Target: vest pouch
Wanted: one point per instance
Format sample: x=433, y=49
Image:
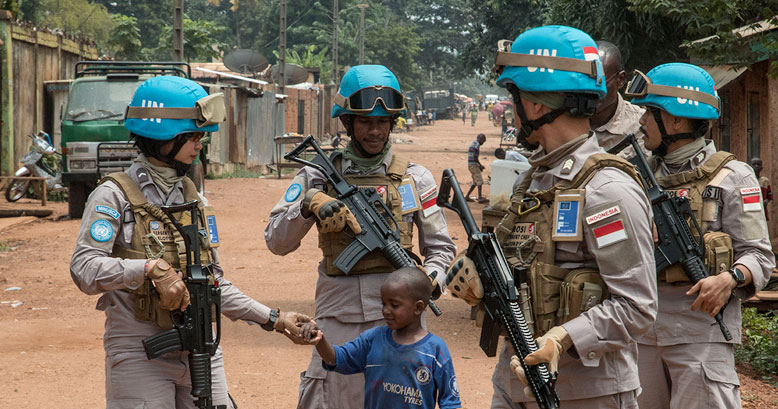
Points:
x=582, y=289
x=147, y=306
x=545, y=283
x=719, y=254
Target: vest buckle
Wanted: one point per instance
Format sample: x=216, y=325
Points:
x=527, y=205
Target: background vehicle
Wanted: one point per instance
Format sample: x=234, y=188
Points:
x=35, y=164
x=94, y=140
x=440, y=101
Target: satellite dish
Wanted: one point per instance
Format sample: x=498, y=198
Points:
x=245, y=61
x=295, y=74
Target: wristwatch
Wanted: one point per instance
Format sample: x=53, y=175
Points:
x=271, y=322
x=737, y=275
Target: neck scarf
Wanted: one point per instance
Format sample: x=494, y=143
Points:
x=681, y=156
x=163, y=176
x=541, y=159
x=365, y=165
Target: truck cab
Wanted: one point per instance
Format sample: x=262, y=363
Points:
x=94, y=140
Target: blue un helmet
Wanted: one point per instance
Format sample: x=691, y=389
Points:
x=166, y=106
x=363, y=87
x=682, y=90
x=551, y=59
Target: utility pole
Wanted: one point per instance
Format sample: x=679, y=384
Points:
x=178, y=30
x=335, y=13
x=282, y=50
x=362, y=6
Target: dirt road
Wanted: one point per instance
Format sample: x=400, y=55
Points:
x=51, y=353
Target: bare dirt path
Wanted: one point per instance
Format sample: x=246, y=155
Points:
x=51, y=353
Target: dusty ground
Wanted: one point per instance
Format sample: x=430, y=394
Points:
x=51, y=353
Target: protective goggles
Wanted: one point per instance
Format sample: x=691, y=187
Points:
x=364, y=100
x=506, y=58
x=640, y=86
x=207, y=111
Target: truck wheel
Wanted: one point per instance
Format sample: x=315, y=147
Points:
x=77, y=194
x=16, y=189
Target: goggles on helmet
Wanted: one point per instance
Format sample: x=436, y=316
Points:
x=506, y=58
x=640, y=86
x=208, y=110
x=363, y=101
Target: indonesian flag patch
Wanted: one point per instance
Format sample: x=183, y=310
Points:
x=429, y=203
x=750, y=197
x=610, y=233
x=590, y=53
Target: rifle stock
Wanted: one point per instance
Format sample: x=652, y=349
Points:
x=676, y=240
x=500, y=295
x=376, y=234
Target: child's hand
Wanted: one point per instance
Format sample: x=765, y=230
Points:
x=310, y=333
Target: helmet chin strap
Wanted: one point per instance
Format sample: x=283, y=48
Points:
x=527, y=126
x=667, y=140
x=180, y=167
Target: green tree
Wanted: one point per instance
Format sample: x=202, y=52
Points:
x=125, y=38
x=152, y=16
x=78, y=17
x=309, y=58
x=199, y=43
x=29, y=10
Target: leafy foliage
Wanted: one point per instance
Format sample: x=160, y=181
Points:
x=760, y=343
x=199, y=43
x=125, y=37
x=78, y=17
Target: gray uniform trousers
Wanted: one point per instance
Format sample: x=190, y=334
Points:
x=134, y=382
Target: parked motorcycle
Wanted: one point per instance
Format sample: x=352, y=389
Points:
x=35, y=165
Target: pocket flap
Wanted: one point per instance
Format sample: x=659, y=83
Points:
x=720, y=372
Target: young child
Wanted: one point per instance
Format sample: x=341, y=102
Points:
x=405, y=366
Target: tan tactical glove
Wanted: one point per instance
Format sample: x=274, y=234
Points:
x=463, y=282
x=173, y=294
x=290, y=324
x=550, y=347
x=333, y=215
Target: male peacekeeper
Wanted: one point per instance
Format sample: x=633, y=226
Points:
x=367, y=102
x=685, y=361
x=128, y=250
x=571, y=222
x=615, y=117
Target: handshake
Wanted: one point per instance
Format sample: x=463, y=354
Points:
x=299, y=328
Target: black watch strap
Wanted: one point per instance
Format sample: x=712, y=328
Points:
x=271, y=322
x=738, y=276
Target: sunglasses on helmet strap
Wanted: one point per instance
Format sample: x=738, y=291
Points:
x=640, y=86
x=363, y=101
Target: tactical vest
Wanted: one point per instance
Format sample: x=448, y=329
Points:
x=332, y=244
x=551, y=295
x=701, y=187
x=154, y=236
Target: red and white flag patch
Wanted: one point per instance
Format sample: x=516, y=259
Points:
x=610, y=233
x=429, y=199
x=590, y=53
x=750, y=197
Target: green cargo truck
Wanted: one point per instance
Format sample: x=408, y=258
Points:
x=94, y=140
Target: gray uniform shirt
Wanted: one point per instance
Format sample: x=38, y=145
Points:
x=94, y=270
x=357, y=298
x=625, y=121
x=616, y=221
x=676, y=323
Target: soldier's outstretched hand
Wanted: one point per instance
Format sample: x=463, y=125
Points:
x=291, y=324
x=463, y=282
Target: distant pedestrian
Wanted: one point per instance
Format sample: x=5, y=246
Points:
x=475, y=167
x=503, y=123
x=464, y=115
x=764, y=184
x=501, y=153
x=473, y=116
x=434, y=117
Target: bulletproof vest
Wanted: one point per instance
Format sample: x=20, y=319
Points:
x=332, y=244
x=551, y=295
x=154, y=236
x=701, y=187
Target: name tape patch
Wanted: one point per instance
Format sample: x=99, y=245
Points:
x=750, y=190
x=603, y=214
x=107, y=210
x=610, y=233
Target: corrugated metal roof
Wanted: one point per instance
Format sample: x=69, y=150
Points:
x=723, y=74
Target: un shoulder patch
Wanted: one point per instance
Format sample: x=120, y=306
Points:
x=101, y=231
x=293, y=192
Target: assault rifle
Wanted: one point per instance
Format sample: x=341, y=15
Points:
x=500, y=296
x=676, y=241
x=376, y=232
x=193, y=328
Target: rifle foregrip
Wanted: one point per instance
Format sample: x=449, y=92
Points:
x=162, y=343
x=200, y=372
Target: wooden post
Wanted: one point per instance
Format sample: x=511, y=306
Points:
x=7, y=163
x=178, y=30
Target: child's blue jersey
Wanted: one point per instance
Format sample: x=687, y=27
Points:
x=400, y=376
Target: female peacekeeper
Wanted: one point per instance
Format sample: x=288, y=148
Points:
x=368, y=101
x=126, y=246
